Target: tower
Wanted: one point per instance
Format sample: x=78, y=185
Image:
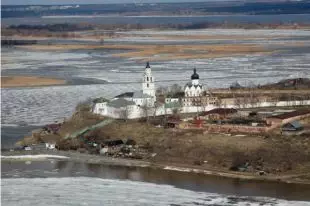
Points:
x=148, y=85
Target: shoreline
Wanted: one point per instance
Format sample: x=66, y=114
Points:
x=185, y=168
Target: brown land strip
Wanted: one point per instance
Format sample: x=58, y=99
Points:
x=165, y=52
x=26, y=81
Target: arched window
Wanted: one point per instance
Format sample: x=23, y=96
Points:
x=147, y=85
x=151, y=79
x=147, y=78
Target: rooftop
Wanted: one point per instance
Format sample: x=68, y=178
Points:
x=125, y=95
x=138, y=94
x=118, y=103
x=291, y=114
x=296, y=125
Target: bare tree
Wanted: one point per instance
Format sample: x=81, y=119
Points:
x=238, y=102
x=156, y=106
x=146, y=109
x=161, y=90
x=175, y=88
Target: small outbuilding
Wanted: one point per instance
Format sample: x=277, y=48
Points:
x=288, y=117
x=292, y=126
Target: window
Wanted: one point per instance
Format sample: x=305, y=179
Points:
x=151, y=79
x=147, y=78
x=147, y=85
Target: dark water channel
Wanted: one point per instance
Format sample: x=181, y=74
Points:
x=184, y=180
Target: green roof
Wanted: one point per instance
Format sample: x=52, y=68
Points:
x=172, y=105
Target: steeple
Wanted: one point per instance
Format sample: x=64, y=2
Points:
x=148, y=85
x=147, y=65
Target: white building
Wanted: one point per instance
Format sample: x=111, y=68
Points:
x=196, y=97
x=194, y=88
x=131, y=105
x=193, y=91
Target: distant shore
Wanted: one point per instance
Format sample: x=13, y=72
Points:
x=27, y=81
x=97, y=159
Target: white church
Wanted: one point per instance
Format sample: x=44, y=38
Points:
x=132, y=105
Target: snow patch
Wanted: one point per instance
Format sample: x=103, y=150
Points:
x=41, y=156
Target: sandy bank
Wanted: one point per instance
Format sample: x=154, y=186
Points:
x=28, y=81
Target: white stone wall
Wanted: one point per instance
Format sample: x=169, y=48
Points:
x=134, y=111
x=149, y=102
x=271, y=104
x=100, y=108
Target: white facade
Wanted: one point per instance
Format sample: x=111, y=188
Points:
x=101, y=108
x=194, y=88
x=193, y=91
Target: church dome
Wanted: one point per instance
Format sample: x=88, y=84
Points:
x=195, y=75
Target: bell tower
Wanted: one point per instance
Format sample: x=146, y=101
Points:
x=148, y=85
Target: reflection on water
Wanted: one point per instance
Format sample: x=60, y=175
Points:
x=196, y=182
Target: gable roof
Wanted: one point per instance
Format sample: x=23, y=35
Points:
x=118, y=103
x=291, y=114
x=140, y=94
x=294, y=124
x=125, y=95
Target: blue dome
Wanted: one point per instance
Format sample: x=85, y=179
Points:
x=195, y=75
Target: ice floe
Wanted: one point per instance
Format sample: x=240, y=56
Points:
x=96, y=191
